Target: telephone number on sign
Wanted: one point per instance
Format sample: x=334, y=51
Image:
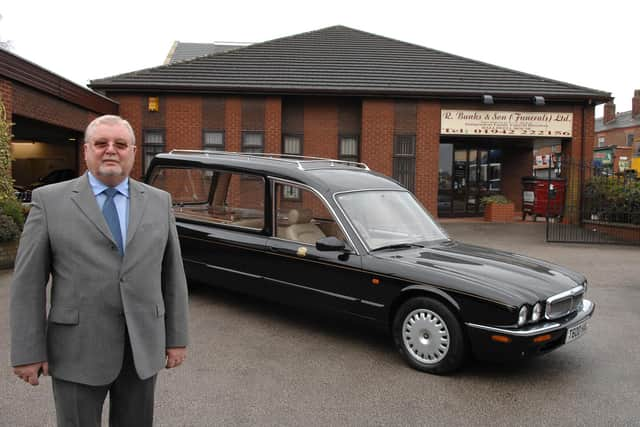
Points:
x=510, y=132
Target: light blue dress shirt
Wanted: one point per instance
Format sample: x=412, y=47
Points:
x=121, y=200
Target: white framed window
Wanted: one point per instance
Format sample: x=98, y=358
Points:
x=292, y=144
x=253, y=142
x=213, y=140
x=601, y=141
x=349, y=149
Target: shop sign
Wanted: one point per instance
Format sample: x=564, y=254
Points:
x=506, y=123
x=603, y=158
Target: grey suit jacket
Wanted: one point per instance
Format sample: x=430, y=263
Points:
x=96, y=295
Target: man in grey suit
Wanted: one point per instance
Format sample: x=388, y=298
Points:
x=118, y=291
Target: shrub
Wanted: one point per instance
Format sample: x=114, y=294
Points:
x=13, y=209
x=6, y=181
x=613, y=199
x=497, y=199
x=9, y=231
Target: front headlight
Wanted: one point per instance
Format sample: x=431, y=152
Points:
x=522, y=315
x=536, y=313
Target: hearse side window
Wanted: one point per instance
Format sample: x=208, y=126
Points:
x=305, y=219
x=186, y=185
x=210, y=196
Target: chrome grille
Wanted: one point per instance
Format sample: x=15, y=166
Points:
x=564, y=303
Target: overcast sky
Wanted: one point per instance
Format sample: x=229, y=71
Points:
x=587, y=43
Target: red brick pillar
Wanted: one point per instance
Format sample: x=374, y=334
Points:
x=427, y=154
x=183, y=122
x=573, y=152
x=273, y=125
x=233, y=124
x=376, y=147
x=320, y=127
x=130, y=109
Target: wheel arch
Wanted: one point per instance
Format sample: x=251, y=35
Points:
x=422, y=291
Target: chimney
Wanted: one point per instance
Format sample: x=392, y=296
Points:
x=609, y=112
x=635, y=103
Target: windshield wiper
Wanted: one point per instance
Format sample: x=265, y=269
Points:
x=398, y=246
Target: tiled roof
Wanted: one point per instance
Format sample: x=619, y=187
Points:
x=341, y=60
x=623, y=120
x=181, y=51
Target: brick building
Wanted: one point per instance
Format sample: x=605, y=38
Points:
x=49, y=114
x=617, y=139
x=449, y=128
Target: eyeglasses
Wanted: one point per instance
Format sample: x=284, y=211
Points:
x=118, y=145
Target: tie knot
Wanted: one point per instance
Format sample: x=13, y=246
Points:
x=110, y=192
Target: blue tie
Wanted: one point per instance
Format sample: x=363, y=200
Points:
x=111, y=215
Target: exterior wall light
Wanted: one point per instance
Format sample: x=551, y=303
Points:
x=538, y=100
x=153, y=104
x=487, y=99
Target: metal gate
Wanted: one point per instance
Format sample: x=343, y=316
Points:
x=599, y=207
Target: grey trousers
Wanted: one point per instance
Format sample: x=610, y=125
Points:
x=131, y=400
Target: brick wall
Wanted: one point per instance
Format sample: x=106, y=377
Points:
x=233, y=123
x=427, y=154
x=273, y=125
x=6, y=96
x=589, y=127
x=321, y=127
x=376, y=148
x=578, y=148
x=35, y=105
x=617, y=136
x=183, y=122
x=131, y=110
x=516, y=163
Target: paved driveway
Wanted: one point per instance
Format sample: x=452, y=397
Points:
x=257, y=363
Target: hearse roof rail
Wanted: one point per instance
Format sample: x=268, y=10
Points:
x=303, y=163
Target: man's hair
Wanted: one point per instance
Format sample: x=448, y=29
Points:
x=108, y=119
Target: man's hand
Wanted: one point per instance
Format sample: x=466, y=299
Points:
x=30, y=373
x=175, y=356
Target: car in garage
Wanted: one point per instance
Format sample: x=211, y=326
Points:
x=336, y=236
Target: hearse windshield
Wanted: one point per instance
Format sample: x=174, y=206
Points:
x=389, y=219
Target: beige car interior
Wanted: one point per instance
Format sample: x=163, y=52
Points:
x=300, y=228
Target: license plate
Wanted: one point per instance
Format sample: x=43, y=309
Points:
x=576, y=332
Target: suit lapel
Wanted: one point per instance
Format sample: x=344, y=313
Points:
x=83, y=197
x=137, y=198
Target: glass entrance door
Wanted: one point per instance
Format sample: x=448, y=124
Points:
x=466, y=174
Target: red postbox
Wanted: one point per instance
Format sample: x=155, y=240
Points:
x=543, y=197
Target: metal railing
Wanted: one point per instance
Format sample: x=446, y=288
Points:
x=599, y=206
x=302, y=162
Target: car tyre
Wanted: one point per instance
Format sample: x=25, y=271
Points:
x=429, y=336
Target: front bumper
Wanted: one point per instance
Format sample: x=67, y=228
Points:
x=526, y=341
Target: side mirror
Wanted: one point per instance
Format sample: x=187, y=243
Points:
x=330, y=244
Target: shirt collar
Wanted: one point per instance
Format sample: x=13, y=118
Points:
x=98, y=186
